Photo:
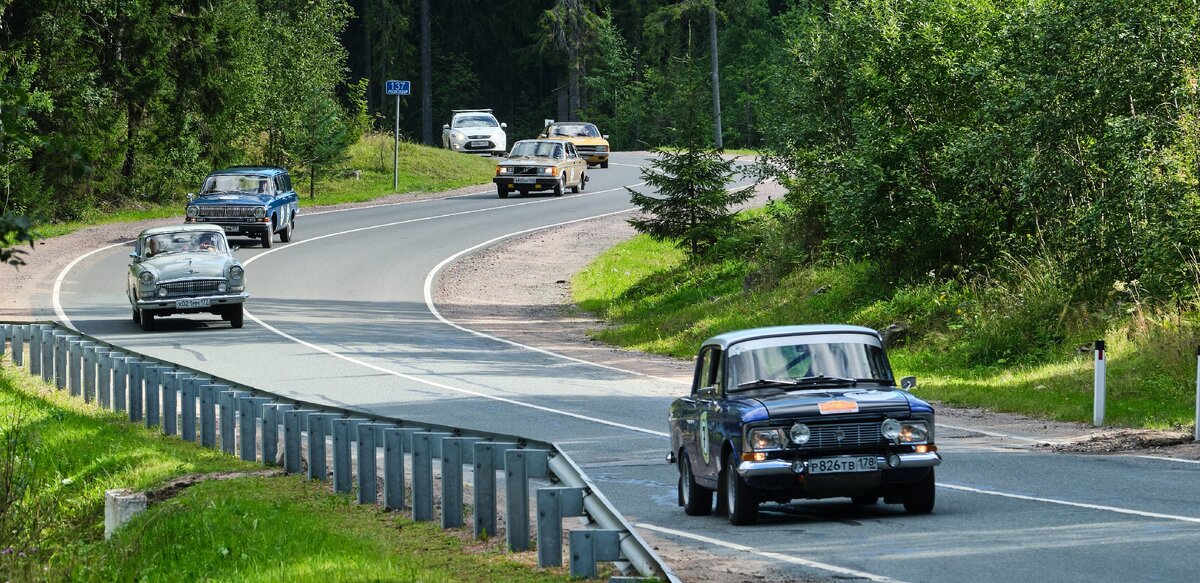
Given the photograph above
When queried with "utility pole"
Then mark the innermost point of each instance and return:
(716, 77)
(426, 78)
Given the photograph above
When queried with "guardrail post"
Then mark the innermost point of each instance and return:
(519, 466)
(227, 406)
(318, 428)
(20, 334)
(5, 334)
(268, 429)
(120, 362)
(293, 423)
(168, 397)
(210, 395)
(89, 372)
(589, 546)
(393, 469)
(249, 410)
(47, 343)
(552, 505)
(60, 360)
(151, 375)
(104, 378)
(456, 451)
(137, 374)
(367, 491)
(423, 451)
(488, 455)
(75, 367)
(343, 434)
(1099, 393)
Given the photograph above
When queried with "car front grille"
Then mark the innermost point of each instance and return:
(587, 150)
(851, 434)
(478, 137)
(470, 146)
(226, 212)
(525, 170)
(190, 287)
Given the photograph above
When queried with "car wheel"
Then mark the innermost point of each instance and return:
(575, 189)
(524, 192)
(560, 186)
(236, 316)
(285, 236)
(740, 498)
(501, 191)
(582, 181)
(918, 497)
(695, 499)
(604, 164)
(137, 316)
(268, 237)
(147, 320)
(864, 500)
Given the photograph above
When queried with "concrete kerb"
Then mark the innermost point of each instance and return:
(125, 370)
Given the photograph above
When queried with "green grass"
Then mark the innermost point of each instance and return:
(969, 344)
(422, 169)
(66, 454)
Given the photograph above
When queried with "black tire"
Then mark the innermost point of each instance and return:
(147, 320)
(604, 164)
(575, 189)
(285, 236)
(269, 237)
(582, 181)
(523, 192)
(501, 191)
(236, 316)
(741, 499)
(695, 499)
(864, 500)
(137, 316)
(918, 497)
(559, 186)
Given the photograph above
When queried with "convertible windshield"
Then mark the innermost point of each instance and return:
(541, 149)
(584, 130)
(184, 242)
(804, 361)
(236, 183)
(476, 121)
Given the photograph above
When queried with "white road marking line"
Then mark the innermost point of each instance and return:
(843, 571)
(448, 387)
(1162, 457)
(55, 296)
(994, 433)
(1118, 510)
(387, 204)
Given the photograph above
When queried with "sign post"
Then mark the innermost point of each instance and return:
(397, 88)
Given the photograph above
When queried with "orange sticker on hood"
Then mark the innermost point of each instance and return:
(838, 407)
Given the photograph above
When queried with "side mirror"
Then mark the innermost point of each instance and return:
(503, 125)
(233, 248)
(605, 136)
(134, 255)
(908, 383)
(707, 393)
(191, 195)
(445, 126)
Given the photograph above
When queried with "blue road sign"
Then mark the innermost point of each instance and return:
(398, 87)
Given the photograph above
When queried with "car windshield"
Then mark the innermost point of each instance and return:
(185, 242)
(236, 183)
(476, 121)
(577, 130)
(817, 357)
(541, 149)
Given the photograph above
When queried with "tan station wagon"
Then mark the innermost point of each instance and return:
(540, 165)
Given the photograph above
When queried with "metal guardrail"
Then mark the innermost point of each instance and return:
(249, 422)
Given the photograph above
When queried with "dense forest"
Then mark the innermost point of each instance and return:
(950, 137)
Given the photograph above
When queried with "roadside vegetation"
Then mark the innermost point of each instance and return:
(60, 455)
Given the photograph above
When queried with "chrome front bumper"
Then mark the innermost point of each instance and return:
(750, 470)
(172, 303)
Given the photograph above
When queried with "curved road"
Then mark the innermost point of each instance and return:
(342, 315)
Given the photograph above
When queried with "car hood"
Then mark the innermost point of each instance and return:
(581, 140)
(232, 198)
(188, 265)
(860, 400)
(529, 161)
(480, 131)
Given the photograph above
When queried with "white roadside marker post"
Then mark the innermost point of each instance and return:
(1098, 401)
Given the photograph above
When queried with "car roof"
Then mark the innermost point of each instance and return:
(572, 123)
(539, 141)
(189, 228)
(270, 170)
(729, 338)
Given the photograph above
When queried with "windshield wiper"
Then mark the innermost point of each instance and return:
(824, 380)
(761, 383)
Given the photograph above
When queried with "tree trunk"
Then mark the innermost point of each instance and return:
(312, 183)
(426, 78)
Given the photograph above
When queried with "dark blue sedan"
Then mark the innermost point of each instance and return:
(247, 201)
(800, 412)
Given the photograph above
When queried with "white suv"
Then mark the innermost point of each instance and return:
(475, 131)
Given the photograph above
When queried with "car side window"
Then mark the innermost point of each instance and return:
(279, 184)
(571, 153)
(709, 368)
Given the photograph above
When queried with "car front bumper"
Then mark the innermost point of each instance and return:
(767, 468)
(488, 147)
(537, 182)
(172, 304)
(235, 228)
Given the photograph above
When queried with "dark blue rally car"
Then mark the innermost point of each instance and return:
(800, 412)
(247, 201)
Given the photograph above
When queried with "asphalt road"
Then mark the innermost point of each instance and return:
(341, 316)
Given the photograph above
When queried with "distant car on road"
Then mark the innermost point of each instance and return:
(475, 131)
(247, 201)
(589, 142)
(541, 165)
(185, 269)
(789, 412)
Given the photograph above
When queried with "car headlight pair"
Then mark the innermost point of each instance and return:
(775, 438)
(905, 432)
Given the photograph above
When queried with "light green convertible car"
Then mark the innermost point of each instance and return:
(185, 269)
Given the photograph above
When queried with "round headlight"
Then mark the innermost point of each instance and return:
(800, 434)
(221, 287)
(162, 292)
(193, 211)
(146, 277)
(260, 212)
(236, 272)
(890, 429)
